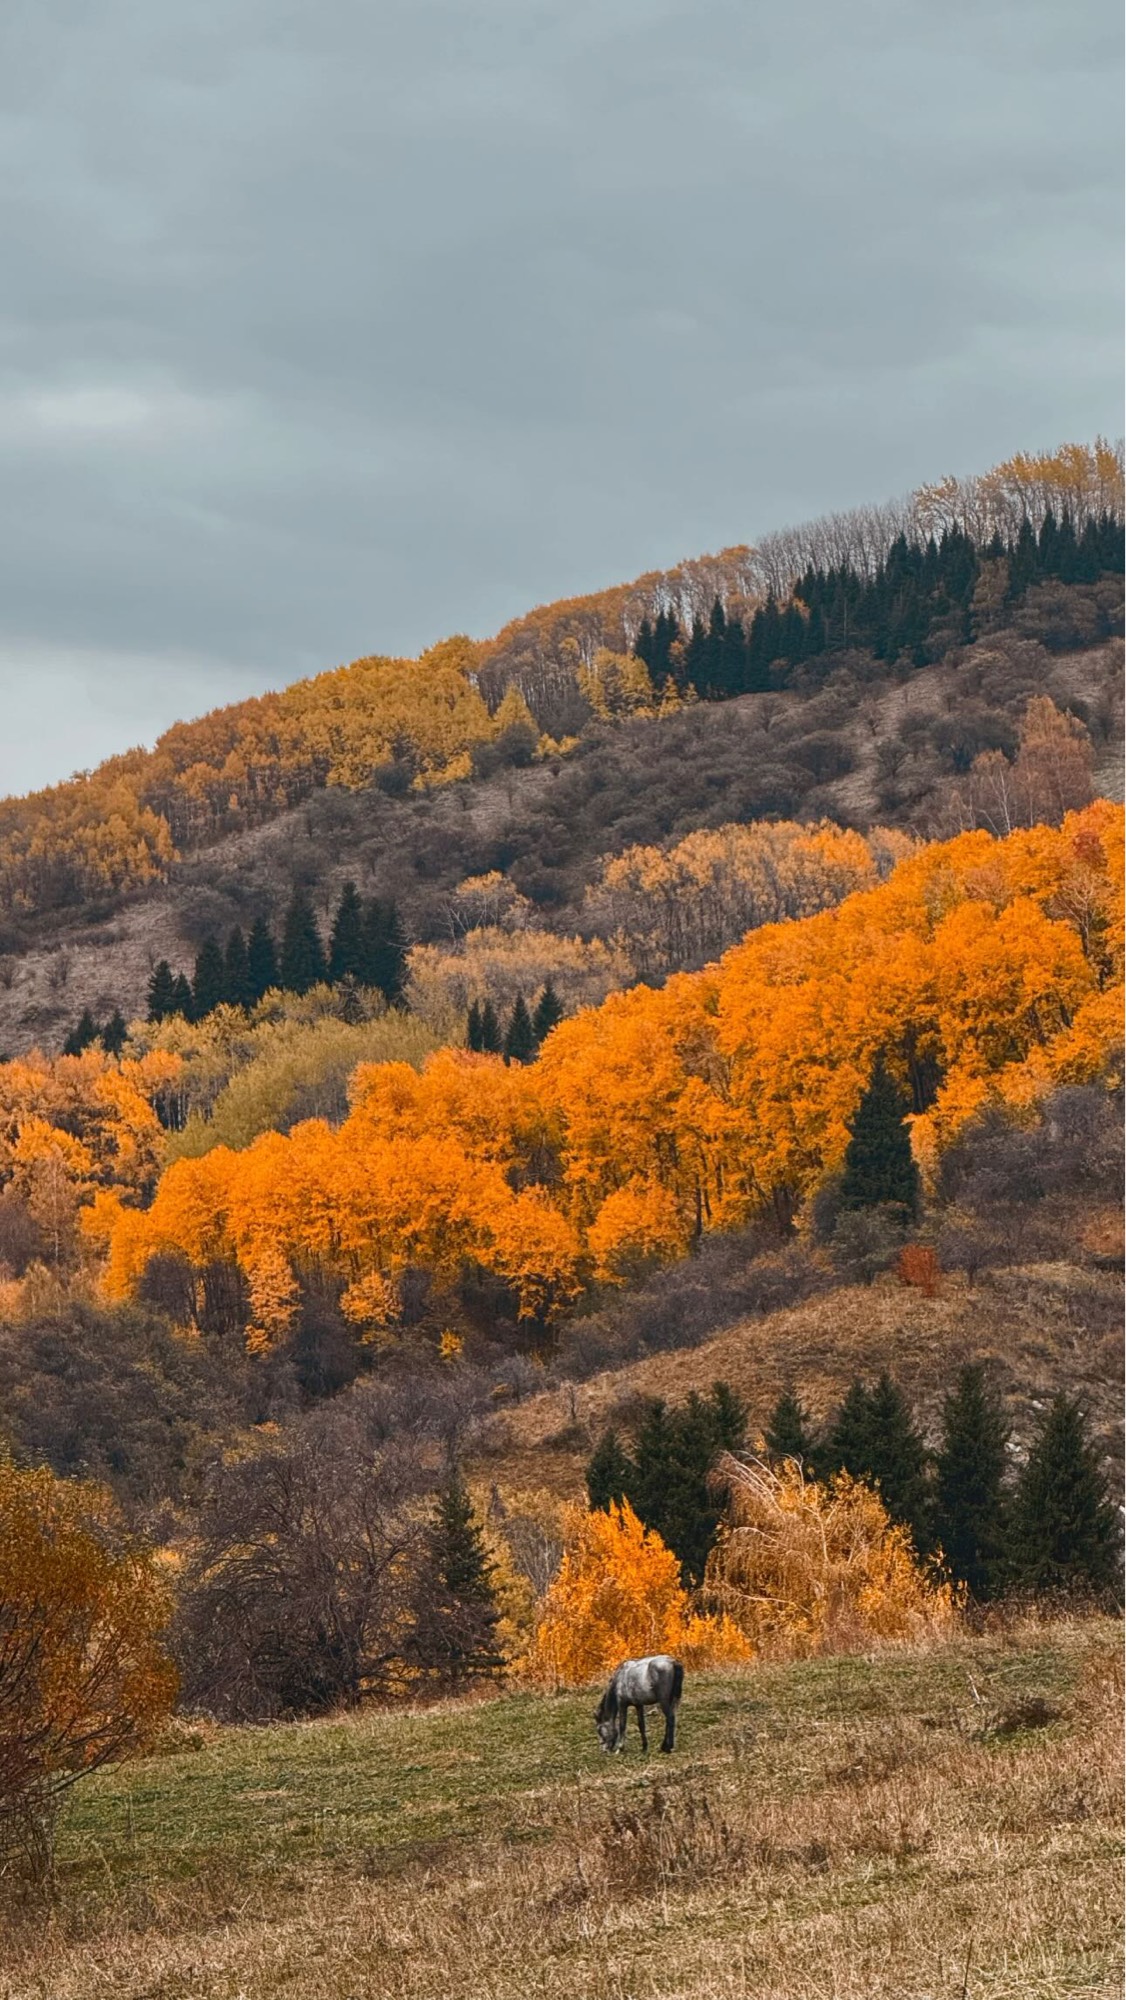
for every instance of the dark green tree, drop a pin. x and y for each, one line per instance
(161, 994)
(209, 981)
(385, 951)
(453, 1636)
(848, 1443)
(1065, 1535)
(969, 1515)
(787, 1432)
(302, 962)
(879, 1167)
(261, 961)
(899, 1460)
(346, 947)
(519, 1036)
(673, 1459)
(473, 1028)
(492, 1041)
(182, 997)
(115, 1034)
(548, 1014)
(82, 1035)
(608, 1472)
(236, 971)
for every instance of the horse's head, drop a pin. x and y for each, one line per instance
(606, 1720)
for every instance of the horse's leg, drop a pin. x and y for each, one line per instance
(623, 1724)
(641, 1725)
(669, 1708)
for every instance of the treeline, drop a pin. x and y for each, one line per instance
(918, 602)
(1046, 1528)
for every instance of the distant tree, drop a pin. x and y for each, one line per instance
(115, 1034)
(673, 1457)
(608, 1472)
(455, 1614)
(787, 1432)
(302, 953)
(874, 1438)
(879, 1167)
(261, 961)
(161, 993)
(519, 1037)
(385, 951)
(236, 970)
(182, 1002)
(82, 1035)
(346, 948)
(969, 1521)
(848, 1442)
(209, 982)
(492, 1042)
(1065, 1534)
(548, 1013)
(473, 1028)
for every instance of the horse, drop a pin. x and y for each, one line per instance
(659, 1680)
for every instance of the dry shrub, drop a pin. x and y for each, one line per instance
(674, 1836)
(808, 1568)
(618, 1595)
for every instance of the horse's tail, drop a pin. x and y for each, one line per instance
(677, 1680)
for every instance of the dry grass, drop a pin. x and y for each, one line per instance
(909, 1825)
(1045, 1327)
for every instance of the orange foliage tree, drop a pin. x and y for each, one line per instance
(618, 1596)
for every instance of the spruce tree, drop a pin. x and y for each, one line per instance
(83, 1033)
(548, 1014)
(848, 1443)
(161, 994)
(209, 981)
(261, 961)
(879, 1167)
(182, 997)
(453, 1635)
(787, 1433)
(473, 1028)
(236, 971)
(346, 947)
(519, 1038)
(385, 951)
(1065, 1535)
(492, 1041)
(115, 1034)
(302, 962)
(608, 1472)
(899, 1460)
(969, 1519)
(673, 1459)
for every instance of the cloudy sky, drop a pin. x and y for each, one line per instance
(334, 326)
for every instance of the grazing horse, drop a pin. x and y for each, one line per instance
(659, 1680)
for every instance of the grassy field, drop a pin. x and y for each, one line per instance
(908, 1825)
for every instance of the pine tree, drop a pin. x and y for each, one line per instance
(261, 961)
(548, 1014)
(385, 951)
(848, 1444)
(787, 1433)
(182, 997)
(115, 1034)
(879, 1167)
(302, 953)
(236, 971)
(84, 1032)
(161, 994)
(1065, 1535)
(608, 1472)
(491, 1039)
(453, 1635)
(519, 1038)
(673, 1458)
(969, 1520)
(209, 982)
(898, 1460)
(346, 948)
(473, 1028)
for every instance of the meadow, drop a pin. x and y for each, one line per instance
(908, 1824)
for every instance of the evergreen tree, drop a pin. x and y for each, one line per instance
(548, 1014)
(453, 1635)
(261, 961)
(519, 1038)
(787, 1432)
(899, 1460)
(879, 1166)
(608, 1472)
(236, 971)
(969, 1516)
(209, 982)
(83, 1033)
(848, 1444)
(673, 1459)
(385, 951)
(115, 1034)
(161, 994)
(492, 1042)
(473, 1028)
(182, 997)
(1065, 1534)
(302, 953)
(346, 948)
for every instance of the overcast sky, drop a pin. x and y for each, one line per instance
(335, 326)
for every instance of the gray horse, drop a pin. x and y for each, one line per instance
(658, 1680)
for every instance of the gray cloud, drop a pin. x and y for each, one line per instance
(330, 328)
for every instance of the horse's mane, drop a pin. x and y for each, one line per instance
(609, 1700)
